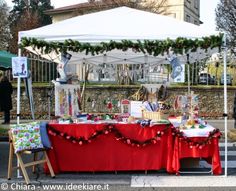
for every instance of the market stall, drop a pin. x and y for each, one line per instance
(103, 36)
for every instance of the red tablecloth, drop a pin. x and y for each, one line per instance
(209, 152)
(105, 153)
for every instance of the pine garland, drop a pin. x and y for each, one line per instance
(198, 144)
(109, 128)
(151, 47)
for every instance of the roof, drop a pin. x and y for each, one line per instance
(83, 8)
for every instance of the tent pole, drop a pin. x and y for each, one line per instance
(225, 103)
(18, 93)
(188, 80)
(84, 86)
(18, 108)
(188, 74)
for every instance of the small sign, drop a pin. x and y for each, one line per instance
(136, 109)
(19, 67)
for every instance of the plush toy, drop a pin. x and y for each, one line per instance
(61, 68)
(176, 66)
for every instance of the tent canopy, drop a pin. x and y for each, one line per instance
(117, 24)
(5, 60)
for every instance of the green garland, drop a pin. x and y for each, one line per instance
(151, 47)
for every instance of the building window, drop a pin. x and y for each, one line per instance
(196, 4)
(172, 15)
(188, 18)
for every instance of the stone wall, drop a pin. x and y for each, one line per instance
(211, 100)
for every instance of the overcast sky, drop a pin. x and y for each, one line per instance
(207, 8)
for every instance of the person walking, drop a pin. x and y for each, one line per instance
(5, 98)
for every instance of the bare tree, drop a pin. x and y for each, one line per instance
(26, 15)
(27, 21)
(4, 26)
(226, 20)
(156, 6)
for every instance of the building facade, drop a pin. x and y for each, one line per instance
(185, 10)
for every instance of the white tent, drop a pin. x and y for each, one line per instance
(119, 24)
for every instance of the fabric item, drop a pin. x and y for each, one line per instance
(196, 132)
(5, 95)
(105, 153)
(176, 68)
(67, 99)
(209, 152)
(44, 135)
(26, 136)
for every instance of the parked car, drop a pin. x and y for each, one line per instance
(229, 79)
(205, 78)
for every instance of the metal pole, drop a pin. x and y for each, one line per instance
(18, 93)
(188, 74)
(145, 75)
(225, 104)
(18, 109)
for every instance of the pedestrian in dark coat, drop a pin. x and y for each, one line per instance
(5, 98)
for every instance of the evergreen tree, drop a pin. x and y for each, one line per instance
(226, 20)
(4, 27)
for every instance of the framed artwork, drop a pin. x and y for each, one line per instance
(19, 67)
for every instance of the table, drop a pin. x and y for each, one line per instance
(197, 143)
(110, 147)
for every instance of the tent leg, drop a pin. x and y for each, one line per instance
(225, 104)
(18, 109)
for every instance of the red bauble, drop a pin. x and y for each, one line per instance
(128, 141)
(109, 105)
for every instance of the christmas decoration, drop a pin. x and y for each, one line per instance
(199, 144)
(109, 128)
(151, 47)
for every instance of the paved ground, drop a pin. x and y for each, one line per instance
(128, 180)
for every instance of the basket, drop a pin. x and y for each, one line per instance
(158, 115)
